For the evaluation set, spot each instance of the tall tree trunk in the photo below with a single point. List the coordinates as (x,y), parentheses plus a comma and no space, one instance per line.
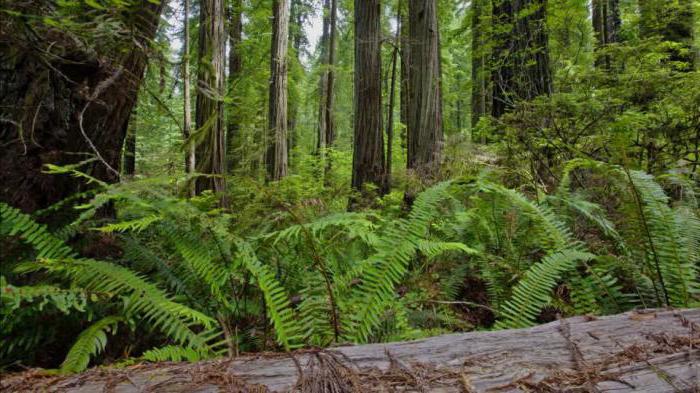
(187,94)
(276,158)
(606,26)
(520,54)
(323,82)
(368,153)
(480,72)
(235,67)
(405,73)
(425,134)
(326,120)
(63,108)
(211,151)
(392,98)
(672,20)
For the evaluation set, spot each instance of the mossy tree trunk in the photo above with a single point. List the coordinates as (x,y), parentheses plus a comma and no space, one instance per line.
(62,103)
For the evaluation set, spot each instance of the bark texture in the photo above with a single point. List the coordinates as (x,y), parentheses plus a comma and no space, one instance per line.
(425,135)
(50,84)
(606,26)
(368,153)
(520,60)
(655,351)
(277,153)
(209,118)
(235,68)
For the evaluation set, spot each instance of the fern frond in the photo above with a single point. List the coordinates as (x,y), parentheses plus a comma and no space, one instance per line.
(90,342)
(15,223)
(533,291)
(173,353)
(381,272)
(143,298)
(289,333)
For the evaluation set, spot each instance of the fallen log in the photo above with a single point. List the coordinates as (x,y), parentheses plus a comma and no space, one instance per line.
(641,351)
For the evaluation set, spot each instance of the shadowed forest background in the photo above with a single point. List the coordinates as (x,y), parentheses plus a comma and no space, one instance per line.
(190,179)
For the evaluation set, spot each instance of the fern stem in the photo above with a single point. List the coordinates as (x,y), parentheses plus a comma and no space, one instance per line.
(647,232)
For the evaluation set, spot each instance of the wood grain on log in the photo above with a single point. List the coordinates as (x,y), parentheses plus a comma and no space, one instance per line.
(653,351)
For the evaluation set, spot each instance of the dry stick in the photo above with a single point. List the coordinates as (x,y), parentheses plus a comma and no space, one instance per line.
(98,90)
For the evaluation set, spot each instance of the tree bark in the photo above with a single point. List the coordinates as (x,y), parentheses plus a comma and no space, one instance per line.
(425,134)
(520,56)
(62,103)
(652,351)
(405,74)
(671,20)
(187,93)
(276,158)
(211,151)
(392,98)
(368,153)
(480,71)
(235,68)
(606,26)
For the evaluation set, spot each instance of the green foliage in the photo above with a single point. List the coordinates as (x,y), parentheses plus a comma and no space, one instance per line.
(90,342)
(532,292)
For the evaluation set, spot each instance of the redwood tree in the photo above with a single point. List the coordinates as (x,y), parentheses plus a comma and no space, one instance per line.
(235,67)
(326,121)
(276,157)
(606,25)
(480,64)
(66,98)
(368,153)
(209,117)
(520,59)
(425,135)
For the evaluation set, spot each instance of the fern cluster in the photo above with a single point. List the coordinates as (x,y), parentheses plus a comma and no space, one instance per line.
(469,253)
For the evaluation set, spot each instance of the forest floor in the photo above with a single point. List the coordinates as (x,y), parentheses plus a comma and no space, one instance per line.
(648,351)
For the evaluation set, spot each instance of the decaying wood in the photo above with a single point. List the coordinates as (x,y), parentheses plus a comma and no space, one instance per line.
(653,351)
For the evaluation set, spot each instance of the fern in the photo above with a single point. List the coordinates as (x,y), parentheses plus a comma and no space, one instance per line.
(15,223)
(381,272)
(142,297)
(289,334)
(90,342)
(172,353)
(533,291)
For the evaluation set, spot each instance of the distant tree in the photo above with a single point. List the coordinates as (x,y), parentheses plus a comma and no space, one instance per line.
(326,120)
(235,67)
(480,63)
(211,149)
(405,72)
(425,134)
(186,93)
(277,153)
(520,59)
(69,97)
(606,25)
(672,21)
(368,153)
(130,149)
(392,97)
